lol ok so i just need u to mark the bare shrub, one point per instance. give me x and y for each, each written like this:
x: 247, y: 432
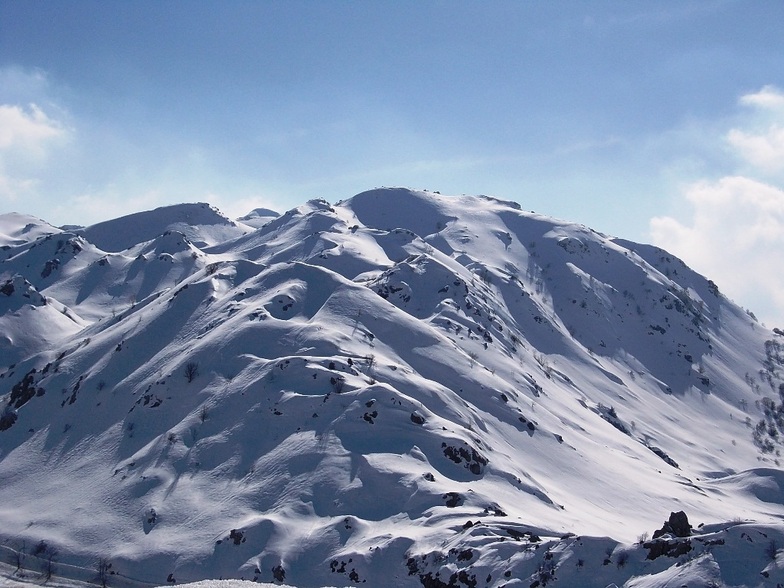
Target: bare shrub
x: 771, y: 549
x: 191, y: 371
x: 622, y: 559
x: 102, y: 567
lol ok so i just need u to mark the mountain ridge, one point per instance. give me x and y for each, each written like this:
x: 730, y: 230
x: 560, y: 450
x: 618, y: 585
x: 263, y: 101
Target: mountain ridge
x: 251, y: 400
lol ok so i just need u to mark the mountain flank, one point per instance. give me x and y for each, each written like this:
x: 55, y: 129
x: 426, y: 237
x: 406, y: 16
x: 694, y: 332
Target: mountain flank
x: 400, y: 387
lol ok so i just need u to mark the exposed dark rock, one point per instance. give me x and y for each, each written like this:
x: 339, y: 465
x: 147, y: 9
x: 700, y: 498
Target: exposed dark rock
x: 8, y: 418
x: 474, y: 461
x: 412, y: 566
x: 671, y: 548
x: 519, y: 535
x: 666, y: 458
x: 456, y: 580
x: 465, y: 555
x: 24, y: 390
x: 49, y: 267
x: 452, y: 499
x: 677, y: 525
x: 495, y: 510
x: 279, y: 573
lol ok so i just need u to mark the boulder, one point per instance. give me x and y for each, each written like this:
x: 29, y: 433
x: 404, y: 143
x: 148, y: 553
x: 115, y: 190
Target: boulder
x: 678, y: 525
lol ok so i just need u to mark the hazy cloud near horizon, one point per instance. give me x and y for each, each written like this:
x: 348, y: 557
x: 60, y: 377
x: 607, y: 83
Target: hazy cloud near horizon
x: 736, y: 232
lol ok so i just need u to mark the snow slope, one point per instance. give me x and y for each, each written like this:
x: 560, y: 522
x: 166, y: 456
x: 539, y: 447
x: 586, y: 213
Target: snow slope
x: 16, y: 229
x: 258, y: 217
x: 402, y: 388
x: 199, y: 222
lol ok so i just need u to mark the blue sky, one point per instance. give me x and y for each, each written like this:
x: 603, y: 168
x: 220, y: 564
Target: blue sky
x: 654, y: 121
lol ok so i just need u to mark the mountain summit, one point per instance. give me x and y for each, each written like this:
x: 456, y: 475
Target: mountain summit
x: 399, y: 388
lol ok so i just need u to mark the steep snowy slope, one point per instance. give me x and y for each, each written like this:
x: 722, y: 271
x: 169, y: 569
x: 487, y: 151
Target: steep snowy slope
x: 16, y: 229
x: 400, y: 388
x: 200, y: 222
x: 30, y: 322
x: 97, y: 284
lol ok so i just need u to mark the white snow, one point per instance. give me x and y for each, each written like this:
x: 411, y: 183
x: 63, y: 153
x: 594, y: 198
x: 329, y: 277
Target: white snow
x: 16, y: 229
x: 201, y: 223
x: 398, y: 385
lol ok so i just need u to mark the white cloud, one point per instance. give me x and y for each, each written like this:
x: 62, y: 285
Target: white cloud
x: 763, y: 150
x: 736, y: 238
x: 30, y: 129
x: 763, y: 145
x: 26, y: 136
x: 769, y: 98
x: 736, y: 233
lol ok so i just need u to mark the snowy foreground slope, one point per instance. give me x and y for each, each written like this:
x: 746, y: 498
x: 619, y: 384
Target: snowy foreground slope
x: 400, y: 389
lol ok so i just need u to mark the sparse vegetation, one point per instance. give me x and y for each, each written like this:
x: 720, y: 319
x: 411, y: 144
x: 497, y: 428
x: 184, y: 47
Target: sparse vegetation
x: 771, y: 550
x: 102, y: 568
x: 19, y: 555
x: 337, y: 383
x: 544, y: 364
x: 191, y: 371
x: 546, y: 571
x: 47, y: 555
x: 622, y: 559
x: 769, y: 431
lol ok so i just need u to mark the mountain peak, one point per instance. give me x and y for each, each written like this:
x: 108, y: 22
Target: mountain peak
x: 258, y: 217
x: 16, y: 229
x: 200, y: 222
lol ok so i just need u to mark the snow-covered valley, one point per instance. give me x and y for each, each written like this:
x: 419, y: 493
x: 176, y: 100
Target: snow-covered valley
x: 401, y: 389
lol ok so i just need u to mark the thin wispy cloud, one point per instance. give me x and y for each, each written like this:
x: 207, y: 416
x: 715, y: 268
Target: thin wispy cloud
x: 762, y: 147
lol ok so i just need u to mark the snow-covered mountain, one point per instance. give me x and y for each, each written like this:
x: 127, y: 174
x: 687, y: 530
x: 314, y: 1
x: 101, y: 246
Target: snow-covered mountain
x: 399, y: 389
